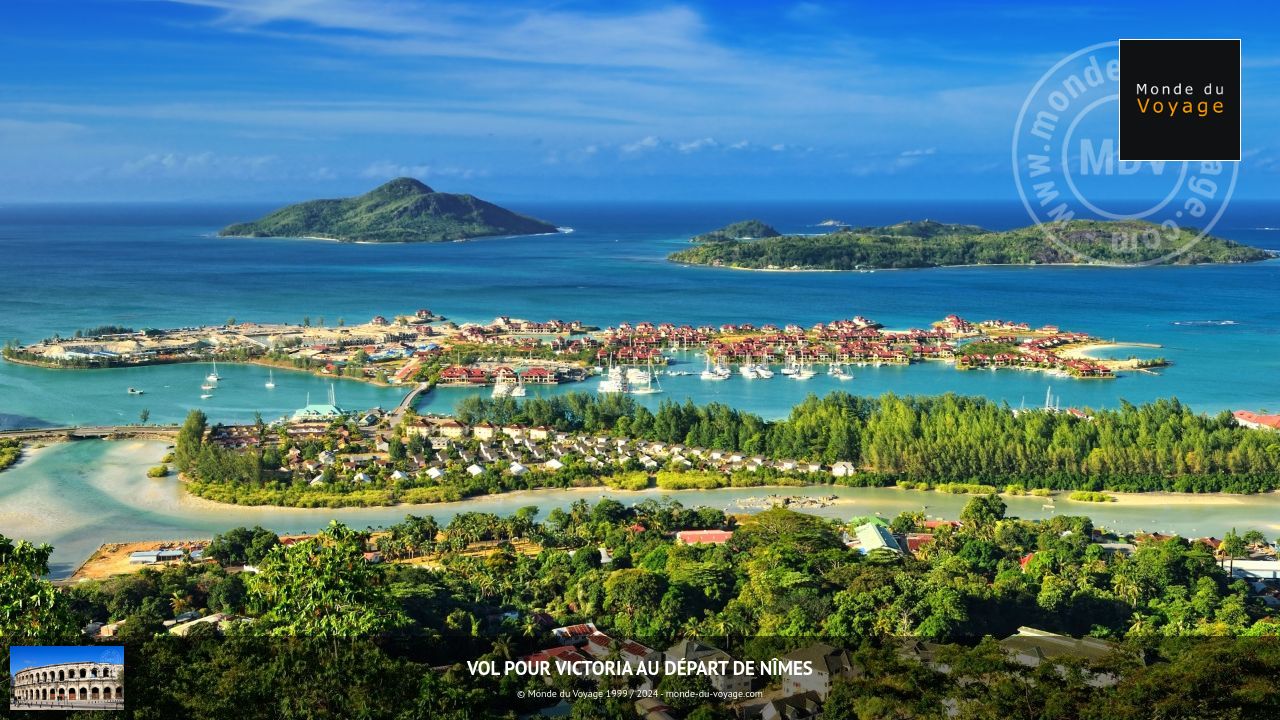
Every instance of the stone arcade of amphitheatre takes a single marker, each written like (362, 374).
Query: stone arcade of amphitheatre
(88, 685)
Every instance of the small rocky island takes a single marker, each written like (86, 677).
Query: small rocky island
(402, 210)
(927, 243)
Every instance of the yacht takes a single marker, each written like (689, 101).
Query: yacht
(206, 396)
(135, 391)
(501, 388)
(763, 372)
(719, 372)
(615, 382)
(802, 373)
(208, 386)
(636, 376)
(837, 372)
(648, 386)
(271, 380)
(518, 390)
(213, 375)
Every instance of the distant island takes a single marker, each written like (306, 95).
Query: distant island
(923, 244)
(403, 210)
(745, 230)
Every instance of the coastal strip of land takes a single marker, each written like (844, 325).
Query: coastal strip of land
(422, 347)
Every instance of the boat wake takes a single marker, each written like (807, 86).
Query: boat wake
(1205, 323)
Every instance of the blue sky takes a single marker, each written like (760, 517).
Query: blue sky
(286, 99)
(21, 658)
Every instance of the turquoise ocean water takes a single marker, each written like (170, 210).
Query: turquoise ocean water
(75, 267)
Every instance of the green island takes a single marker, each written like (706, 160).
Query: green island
(402, 210)
(982, 617)
(744, 230)
(927, 243)
(949, 443)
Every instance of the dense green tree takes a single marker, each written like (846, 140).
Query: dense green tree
(323, 587)
(32, 611)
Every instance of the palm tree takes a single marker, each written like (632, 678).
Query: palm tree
(502, 647)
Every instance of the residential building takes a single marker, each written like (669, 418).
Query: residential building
(828, 664)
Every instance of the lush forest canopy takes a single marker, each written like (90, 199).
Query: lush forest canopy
(1162, 445)
(933, 244)
(945, 442)
(402, 210)
(394, 637)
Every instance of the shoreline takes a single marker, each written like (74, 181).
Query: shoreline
(1092, 351)
(1134, 499)
(1109, 266)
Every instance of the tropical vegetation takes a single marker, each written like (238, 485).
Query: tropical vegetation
(394, 637)
(933, 244)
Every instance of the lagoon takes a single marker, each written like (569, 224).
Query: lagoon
(79, 495)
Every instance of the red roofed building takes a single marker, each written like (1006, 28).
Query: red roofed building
(935, 524)
(565, 653)
(569, 634)
(915, 541)
(703, 537)
(1257, 421)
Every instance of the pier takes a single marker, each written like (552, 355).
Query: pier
(95, 432)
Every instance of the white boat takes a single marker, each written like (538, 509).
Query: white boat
(519, 390)
(271, 380)
(648, 386)
(213, 375)
(719, 372)
(135, 391)
(763, 372)
(206, 396)
(802, 373)
(615, 382)
(636, 376)
(789, 369)
(748, 370)
(501, 388)
(208, 386)
(837, 372)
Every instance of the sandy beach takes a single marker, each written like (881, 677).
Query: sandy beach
(1099, 353)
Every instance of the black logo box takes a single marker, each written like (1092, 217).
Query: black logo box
(1188, 68)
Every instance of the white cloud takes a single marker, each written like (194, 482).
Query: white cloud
(740, 145)
(918, 152)
(696, 145)
(385, 170)
(27, 131)
(644, 144)
(198, 165)
(672, 37)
